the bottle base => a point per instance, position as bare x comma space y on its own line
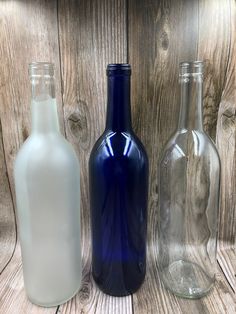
53, 304
118, 294
186, 280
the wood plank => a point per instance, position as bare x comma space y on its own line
156, 29
156, 299
7, 215
155, 108
214, 46
155, 112
226, 143
28, 33
227, 261
92, 34
220, 300
152, 297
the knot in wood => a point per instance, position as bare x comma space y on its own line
78, 124
228, 118
164, 40
84, 292
25, 133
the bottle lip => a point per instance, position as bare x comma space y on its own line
118, 69
191, 68
41, 68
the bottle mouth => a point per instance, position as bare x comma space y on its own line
118, 69
41, 69
191, 68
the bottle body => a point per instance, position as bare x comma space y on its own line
189, 191
118, 189
189, 178
48, 198
118, 171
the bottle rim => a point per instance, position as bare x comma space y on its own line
118, 69
191, 68
40, 68
43, 64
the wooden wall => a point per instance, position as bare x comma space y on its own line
81, 38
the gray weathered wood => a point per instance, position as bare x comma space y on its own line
226, 144
81, 37
227, 261
179, 30
215, 47
7, 215
28, 33
92, 34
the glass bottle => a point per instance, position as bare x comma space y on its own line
48, 198
118, 193
189, 178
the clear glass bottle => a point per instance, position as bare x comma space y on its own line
48, 200
189, 181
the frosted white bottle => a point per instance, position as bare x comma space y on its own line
48, 198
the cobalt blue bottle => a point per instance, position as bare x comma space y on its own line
118, 175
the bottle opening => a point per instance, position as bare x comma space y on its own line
41, 69
118, 69
191, 68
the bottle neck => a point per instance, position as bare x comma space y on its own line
190, 117
44, 108
118, 103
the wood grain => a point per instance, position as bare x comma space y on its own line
92, 34
198, 26
155, 108
28, 33
226, 144
214, 47
227, 261
81, 37
7, 215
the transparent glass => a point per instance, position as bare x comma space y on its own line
48, 200
189, 178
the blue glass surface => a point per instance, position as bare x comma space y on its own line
118, 192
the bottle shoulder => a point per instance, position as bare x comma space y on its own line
185, 142
51, 149
118, 144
